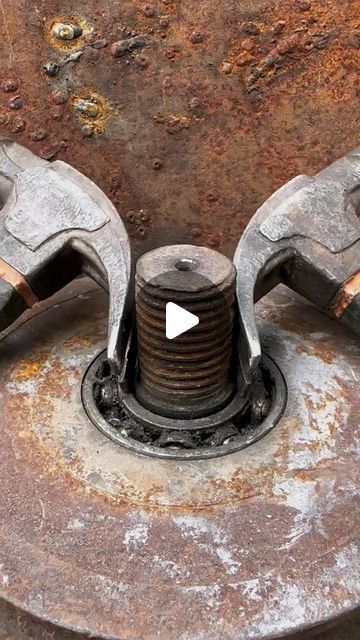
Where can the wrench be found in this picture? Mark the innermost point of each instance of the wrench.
(307, 236)
(54, 225)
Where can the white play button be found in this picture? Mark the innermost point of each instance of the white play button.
(178, 320)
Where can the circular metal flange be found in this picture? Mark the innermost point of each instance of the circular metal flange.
(99, 540)
(231, 416)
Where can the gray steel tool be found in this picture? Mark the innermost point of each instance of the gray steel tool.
(306, 235)
(54, 225)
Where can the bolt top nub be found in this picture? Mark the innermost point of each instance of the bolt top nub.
(186, 268)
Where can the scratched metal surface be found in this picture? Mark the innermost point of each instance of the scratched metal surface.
(214, 106)
(93, 538)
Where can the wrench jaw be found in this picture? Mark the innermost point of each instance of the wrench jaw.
(307, 235)
(106, 261)
(56, 224)
(260, 265)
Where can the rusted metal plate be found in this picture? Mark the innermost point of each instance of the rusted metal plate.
(259, 544)
(187, 114)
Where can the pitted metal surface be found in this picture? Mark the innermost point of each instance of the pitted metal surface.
(259, 544)
(188, 115)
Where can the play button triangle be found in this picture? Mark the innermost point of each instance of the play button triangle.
(178, 320)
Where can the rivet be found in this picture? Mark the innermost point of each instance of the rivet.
(144, 216)
(226, 67)
(304, 5)
(67, 31)
(157, 164)
(141, 61)
(60, 97)
(10, 85)
(39, 134)
(15, 103)
(148, 10)
(18, 125)
(51, 68)
(196, 37)
(87, 107)
(164, 22)
(130, 216)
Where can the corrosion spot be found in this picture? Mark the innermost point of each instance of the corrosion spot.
(39, 134)
(16, 103)
(141, 61)
(226, 67)
(164, 22)
(88, 107)
(304, 5)
(128, 45)
(68, 33)
(93, 110)
(51, 68)
(10, 85)
(196, 37)
(157, 164)
(148, 10)
(27, 370)
(60, 96)
(251, 29)
(18, 125)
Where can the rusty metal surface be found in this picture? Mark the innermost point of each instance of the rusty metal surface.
(255, 545)
(346, 295)
(187, 114)
(16, 625)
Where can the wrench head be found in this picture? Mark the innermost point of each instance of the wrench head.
(54, 224)
(306, 235)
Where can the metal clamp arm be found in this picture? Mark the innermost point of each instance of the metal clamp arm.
(307, 235)
(51, 212)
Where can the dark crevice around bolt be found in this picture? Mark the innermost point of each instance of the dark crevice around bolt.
(108, 402)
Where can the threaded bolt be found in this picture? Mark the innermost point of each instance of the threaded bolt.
(192, 375)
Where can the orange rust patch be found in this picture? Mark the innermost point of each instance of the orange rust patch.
(77, 342)
(290, 46)
(346, 294)
(92, 109)
(27, 370)
(68, 46)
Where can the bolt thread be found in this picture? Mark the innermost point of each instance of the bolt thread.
(191, 375)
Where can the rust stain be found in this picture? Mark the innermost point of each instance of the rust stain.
(92, 110)
(70, 45)
(76, 342)
(27, 370)
(346, 294)
(212, 86)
